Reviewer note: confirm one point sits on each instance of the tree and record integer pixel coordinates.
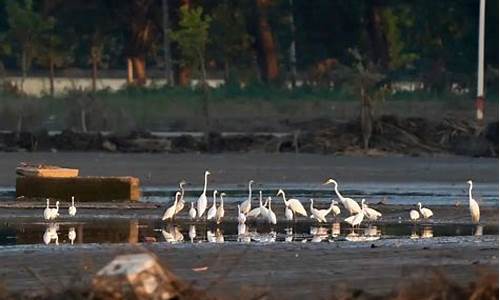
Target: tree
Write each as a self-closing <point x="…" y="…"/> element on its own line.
<point x="230" y="37"/>
<point x="269" y="58"/>
<point x="26" y="26"/>
<point x="53" y="53"/>
<point x="192" y="38"/>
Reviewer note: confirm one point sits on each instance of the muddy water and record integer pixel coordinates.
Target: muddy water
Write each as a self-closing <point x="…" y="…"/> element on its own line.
<point x="135" y="231"/>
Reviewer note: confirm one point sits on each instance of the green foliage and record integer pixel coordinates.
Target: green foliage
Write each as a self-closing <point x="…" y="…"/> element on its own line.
<point x="192" y="36"/>
<point x="26" y="28"/>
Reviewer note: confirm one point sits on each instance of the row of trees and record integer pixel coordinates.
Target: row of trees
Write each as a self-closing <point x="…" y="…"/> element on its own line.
<point x="265" y="40"/>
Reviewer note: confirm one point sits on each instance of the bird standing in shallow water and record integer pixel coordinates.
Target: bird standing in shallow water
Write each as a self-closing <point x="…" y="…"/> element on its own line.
<point x="426" y="213"/>
<point x="47" y="212"/>
<point x="180" y="204"/>
<point x="293" y="204"/>
<point x="202" y="200"/>
<point x="246" y="205"/>
<point x="473" y="206"/>
<point x="350" y="205"/>
<point x="220" y="210"/>
<point x="72" y="208"/>
<point x="316" y="214"/>
<point x="170" y="212"/>
<point x="213" y="210"/>
<point x="414" y="215"/>
<point x="356" y="219"/>
<point x="370" y="213"/>
<point x="241" y="216"/>
<point x="271" y="216"/>
<point x="192" y="211"/>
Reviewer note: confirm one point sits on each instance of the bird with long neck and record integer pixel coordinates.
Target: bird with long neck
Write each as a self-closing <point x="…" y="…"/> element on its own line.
<point x="316" y="214"/>
<point x="47" y="212"/>
<point x="213" y="210"/>
<point x="473" y="206"/>
<point x="72" y="208"/>
<point x="170" y="212"/>
<point x="350" y="205"/>
<point x="271" y="216"/>
<point x="370" y="213"/>
<point x="220" y="210"/>
<point x="246" y="205"/>
<point x="202" y="200"/>
<point x="180" y="204"/>
<point x="293" y="204"/>
<point x="425" y="212"/>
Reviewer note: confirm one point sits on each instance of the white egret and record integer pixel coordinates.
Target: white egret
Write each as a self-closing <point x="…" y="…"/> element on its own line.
<point x="170" y="212"/>
<point x="288" y="214"/>
<point x="220" y="210"/>
<point x="426" y="213"/>
<point x="72" y="235"/>
<point x="414" y="215"/>
<point x="349" y="204"/>
<point x="316" y="214"/>
<point x="335" y="208"/>
<point x="325" y="212"/>
<point x="55" y="212"/>
<point x="47" y="212"/>
<point x="241" y="216"/>
<point x="180" y="204"/>
<point x="255" y="212"/>
<point x="213" y="210"/>
<point x="473" y="206"/>
<point x="294" y="204"/>
<point x="210" y="236"/>
<point x="72" y="208"/>
<point x="192" y="211"/>
<point x="246" y="205"/>
<point x="271" y="216"/>
<point x="202" y="200"/>
<point x="370" y="213"/>
<point x="263" y="210"/>
<point x="356" y="219"/>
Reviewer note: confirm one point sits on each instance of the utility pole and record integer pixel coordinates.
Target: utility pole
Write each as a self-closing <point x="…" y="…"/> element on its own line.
<point x="167" y="57"/>
<point x="480" y="100"/>
<point x="293" y="53"/>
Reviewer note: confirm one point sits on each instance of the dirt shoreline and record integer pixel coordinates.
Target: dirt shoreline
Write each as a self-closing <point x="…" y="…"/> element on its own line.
<point x="236" y="168"/>
<point x="245" y="271"/>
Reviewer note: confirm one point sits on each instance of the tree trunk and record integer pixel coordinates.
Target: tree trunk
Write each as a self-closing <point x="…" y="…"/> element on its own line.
<point x="293" y="54"/>
<point x="51" y="76"/>
<point x="24" y="67"/>
<point x="204" y="84"/>
<point x="184" y="76"/>
<point x="167" y="56"/>
<point x="226" y="71"/>
<point x="139" y="65"/>
<point x="130" y="71"/>
<point x="94" y="73"/>
<point x="270" y="59"/>
<point x="366" y="119"/>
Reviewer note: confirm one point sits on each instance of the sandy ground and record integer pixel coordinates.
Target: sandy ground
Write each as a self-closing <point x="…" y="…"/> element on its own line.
<point x="231" y="168"/>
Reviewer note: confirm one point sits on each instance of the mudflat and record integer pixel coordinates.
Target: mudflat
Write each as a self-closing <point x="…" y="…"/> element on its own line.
<point x="235" y="168"/>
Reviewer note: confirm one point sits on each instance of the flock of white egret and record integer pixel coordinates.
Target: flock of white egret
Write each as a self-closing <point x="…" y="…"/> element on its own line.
<point x="293" y="207"/>
<point x="264" y="212"/>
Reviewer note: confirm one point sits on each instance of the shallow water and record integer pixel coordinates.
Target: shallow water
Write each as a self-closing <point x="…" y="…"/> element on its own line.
<point x="134" y="231"/>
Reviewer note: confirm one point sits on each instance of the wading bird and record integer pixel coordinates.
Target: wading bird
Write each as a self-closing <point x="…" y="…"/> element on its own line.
<point x="180" y="204"/>
<point x="170" y="212"/>
<point x="47" y="212"/>
<point x="255" y="212"/>
<point x="213" y="210"/>
<point x="192" y="211"/>
<point x="54" y="212"/>
<point x="350" y="205"/>
<point x="271" y="216"/>
<point x="426" y="213"/>
<point x="72" y="208"/>
<point x="414" y="215"/>
<point x="335" y="208"/>
<point x="355" y="220"/>
<point x="288" y="214"/>
<point x="241" y="216"/>
<point x="202" y="200"/>
<point x="473" y="206"/>
<point x="370" y="213"/>
<point x="293" y="204"/>
<point x="316" y="214"/>
<point x="220" y="210"/>
<point x="246" y="205"/>
<point x="263" y="210"/>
